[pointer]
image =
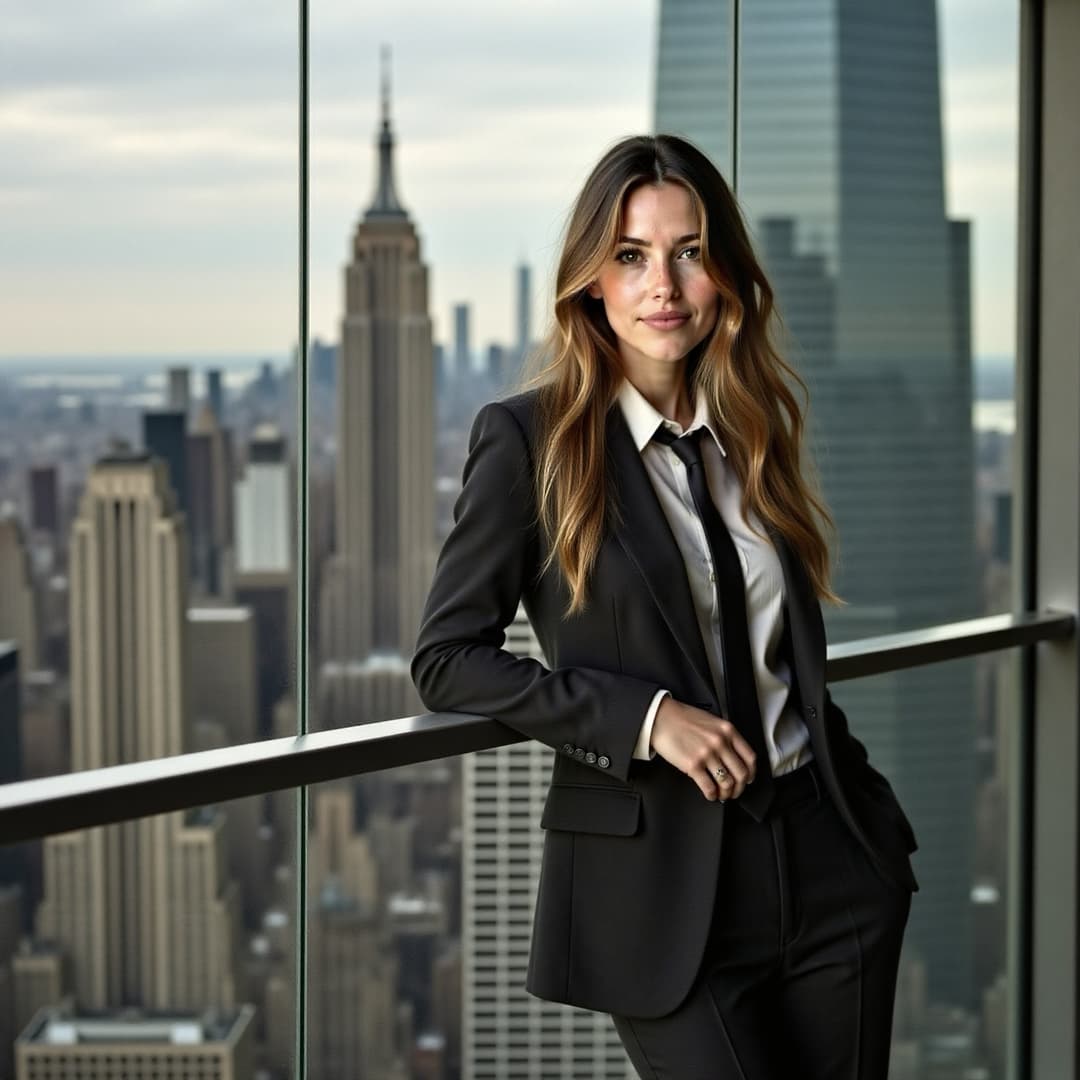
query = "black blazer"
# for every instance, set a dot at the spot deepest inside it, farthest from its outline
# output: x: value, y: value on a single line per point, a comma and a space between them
x: 632, y: 848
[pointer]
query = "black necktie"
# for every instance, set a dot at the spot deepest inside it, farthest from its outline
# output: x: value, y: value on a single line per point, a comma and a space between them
x: 742, y: 700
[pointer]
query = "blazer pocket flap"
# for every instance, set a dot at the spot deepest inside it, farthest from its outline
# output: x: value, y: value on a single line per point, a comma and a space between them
x: 591, y: 809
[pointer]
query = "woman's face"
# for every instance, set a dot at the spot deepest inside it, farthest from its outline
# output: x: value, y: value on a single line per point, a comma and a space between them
x: 656, y: 270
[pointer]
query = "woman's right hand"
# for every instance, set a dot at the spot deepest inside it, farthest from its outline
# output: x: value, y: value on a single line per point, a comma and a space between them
x: 696, y: 742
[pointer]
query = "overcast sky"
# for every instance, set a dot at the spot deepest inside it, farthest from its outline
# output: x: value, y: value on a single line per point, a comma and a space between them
x: 148, y: 158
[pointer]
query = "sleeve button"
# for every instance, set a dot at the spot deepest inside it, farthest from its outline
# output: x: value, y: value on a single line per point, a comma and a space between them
x: 603, y: 761
x: 579, y: 753
x: 567, y: 748
x: 590, y: 759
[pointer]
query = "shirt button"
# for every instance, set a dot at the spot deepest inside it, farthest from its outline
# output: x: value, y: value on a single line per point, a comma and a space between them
x: 712, y: 577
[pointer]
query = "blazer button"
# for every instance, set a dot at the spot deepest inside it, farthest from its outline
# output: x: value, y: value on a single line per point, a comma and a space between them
x: 567, y: 748
x: 579, y: 753
x: 590, y: 759
x: 811, y: 711
x: 603, y: 761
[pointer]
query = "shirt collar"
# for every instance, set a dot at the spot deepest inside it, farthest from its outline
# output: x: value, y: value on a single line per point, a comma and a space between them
x: 643, y: 419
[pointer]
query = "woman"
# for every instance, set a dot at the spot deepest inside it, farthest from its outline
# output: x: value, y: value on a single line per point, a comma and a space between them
x: 724, y: 872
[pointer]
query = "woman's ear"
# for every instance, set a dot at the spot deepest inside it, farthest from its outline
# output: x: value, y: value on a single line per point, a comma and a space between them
x: 594, y: 290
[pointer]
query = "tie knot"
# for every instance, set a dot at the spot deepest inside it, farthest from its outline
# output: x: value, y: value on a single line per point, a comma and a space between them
x: 686, y: 446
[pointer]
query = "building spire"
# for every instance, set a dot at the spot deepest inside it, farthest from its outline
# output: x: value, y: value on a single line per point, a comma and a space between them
x: 386, y: 202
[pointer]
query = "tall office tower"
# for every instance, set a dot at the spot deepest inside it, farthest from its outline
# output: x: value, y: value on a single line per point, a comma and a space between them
x: 64, y: 1044
x: 496, y: 367
x: 524, y: 309
x: 263, y: 578
x: 179, y: 389
x: 44, y: 499
x: 375, y: 586
x: 165, y: 436
x: 224, y: 707
x: 11, y: 902
x: 506, y: 1033
x: 353, y: 970
x: 19, y: 620
x: 873, y: 282
x: 215, y: 393
x: 138, y: 908
x: 263, y: 507
x: 462, y: 344
x: 210, y: 487
x: 12, y: 861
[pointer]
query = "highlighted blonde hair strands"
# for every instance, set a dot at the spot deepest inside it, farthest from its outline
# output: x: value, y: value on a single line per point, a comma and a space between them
x: 741, y: 374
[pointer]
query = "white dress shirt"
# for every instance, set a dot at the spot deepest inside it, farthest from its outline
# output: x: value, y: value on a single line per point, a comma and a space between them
x: 786, y: 735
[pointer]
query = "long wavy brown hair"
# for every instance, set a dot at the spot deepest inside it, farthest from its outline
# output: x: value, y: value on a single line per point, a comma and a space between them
x: 745, y: 380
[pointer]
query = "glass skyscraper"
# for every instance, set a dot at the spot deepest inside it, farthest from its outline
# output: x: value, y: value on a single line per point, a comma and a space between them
x: 829, y: 131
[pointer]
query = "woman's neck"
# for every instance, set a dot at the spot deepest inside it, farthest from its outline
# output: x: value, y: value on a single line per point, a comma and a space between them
x: 665, y: 390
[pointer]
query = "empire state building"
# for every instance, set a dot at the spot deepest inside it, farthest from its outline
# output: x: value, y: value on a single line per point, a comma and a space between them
x: 376, y: 582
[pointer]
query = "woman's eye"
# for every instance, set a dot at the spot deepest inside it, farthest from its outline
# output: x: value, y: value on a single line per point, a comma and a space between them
x: 625, y: 251
x: 696, y: 251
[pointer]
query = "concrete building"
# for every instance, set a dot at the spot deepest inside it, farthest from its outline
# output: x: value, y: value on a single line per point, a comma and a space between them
x: 210, y: 524
x: 263, y: 575
x: 506, y: 1033
x: 19, y: 617
x: 179, y: 388
x: 139, y: 909
x: 64, y: 1044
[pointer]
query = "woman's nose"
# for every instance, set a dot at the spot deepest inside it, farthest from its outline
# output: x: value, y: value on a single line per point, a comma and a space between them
x: 663, y: 279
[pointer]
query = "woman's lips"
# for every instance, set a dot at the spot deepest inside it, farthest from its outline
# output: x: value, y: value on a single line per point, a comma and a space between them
x: 666, y: 322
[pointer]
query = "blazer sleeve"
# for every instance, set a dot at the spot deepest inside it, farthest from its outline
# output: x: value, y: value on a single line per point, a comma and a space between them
x: 486, y: 562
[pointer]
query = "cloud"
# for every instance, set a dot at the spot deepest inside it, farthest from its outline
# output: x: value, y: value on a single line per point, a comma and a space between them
x: 156, y: 141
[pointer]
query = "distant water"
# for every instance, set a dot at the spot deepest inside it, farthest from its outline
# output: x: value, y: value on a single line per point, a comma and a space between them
x: 144, y: 377
x: 994, y: 416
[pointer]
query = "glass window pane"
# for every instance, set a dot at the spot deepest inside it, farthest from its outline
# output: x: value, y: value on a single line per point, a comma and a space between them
x: 956, y: 772
x: 160, y: 947
x: 147, y: 511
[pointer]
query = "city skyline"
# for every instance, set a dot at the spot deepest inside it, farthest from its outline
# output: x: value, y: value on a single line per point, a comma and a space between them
x: 150, y: 219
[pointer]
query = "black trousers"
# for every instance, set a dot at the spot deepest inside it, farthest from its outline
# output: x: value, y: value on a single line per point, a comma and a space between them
x: 799, y: 973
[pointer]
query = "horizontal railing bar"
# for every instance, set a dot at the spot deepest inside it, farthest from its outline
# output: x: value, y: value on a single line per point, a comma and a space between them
x: 946, y: 641
x: 57, y: 804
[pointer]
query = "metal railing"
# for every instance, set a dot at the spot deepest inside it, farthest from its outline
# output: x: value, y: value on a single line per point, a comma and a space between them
x: 34, y: 808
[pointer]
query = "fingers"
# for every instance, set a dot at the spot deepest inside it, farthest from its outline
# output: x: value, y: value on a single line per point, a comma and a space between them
x: 699, y: 743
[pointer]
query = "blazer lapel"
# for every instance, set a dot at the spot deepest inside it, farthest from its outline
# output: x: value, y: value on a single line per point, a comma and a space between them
x: 642, y: 529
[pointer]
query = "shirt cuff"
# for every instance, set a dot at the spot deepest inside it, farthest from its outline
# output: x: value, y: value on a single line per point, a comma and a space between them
x: 642, y: 750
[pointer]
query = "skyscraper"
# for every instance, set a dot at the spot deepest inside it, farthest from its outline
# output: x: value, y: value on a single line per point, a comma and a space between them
x: 462, y: 344
x: 506, y: 1033
x: 376, y: 583
x: 180, y: 388
x: 20, y: 620
x: 524, y: 309
x: 215, y: 393
x: 832, y: 139
x: 165, y: 435
x: 264, y: 578
x: 138, y: 908
x: 210, y: 489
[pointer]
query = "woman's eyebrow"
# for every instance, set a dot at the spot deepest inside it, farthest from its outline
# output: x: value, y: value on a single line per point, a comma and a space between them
x: 645, y: 243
